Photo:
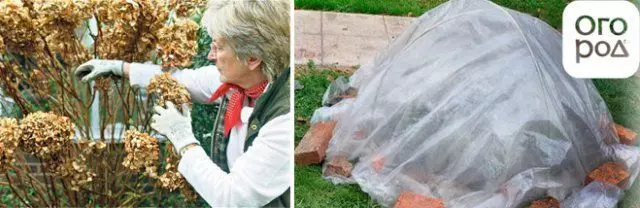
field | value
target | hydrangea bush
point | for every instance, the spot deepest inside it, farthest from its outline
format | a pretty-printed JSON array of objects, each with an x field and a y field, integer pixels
[{"x": 111, "y": 160}]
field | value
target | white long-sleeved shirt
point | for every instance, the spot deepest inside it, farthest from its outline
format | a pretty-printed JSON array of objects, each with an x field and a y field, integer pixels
[{"x": 256, "y": 176}]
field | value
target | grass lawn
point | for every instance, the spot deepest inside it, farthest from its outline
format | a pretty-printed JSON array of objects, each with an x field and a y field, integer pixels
[
  {"x": 621, "y": 96},
  {"x": 548, "y": 10},
  {"x": 311, "y": 190}
]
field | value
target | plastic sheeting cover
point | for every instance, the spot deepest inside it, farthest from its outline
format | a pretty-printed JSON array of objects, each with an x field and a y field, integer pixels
[{"x": 471, "y": 105}]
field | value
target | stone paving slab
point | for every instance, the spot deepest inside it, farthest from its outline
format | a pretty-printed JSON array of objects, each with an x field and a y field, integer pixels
[
  {"x": 345, "y": 24},
  {"x": 308, "y": 22},
  {"x": 351, "y": 50},
  {"x": 308, "y": 48},
  {"x": 343, "y": 39},
  {"x": 396, "y": 25}
]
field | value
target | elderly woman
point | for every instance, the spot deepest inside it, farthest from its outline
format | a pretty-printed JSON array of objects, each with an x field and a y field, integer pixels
[{"x": 251, "y": 151}]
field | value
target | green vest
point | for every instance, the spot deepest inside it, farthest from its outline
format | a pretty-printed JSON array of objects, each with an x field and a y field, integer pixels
[{"x": 273, "y": 103}]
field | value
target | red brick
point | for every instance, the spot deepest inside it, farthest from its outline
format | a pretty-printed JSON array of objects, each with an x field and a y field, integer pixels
[
  {"x": 313, "y": 146},
  {"x": 359, "y": 135},
  {"x": 414, "y": 200},
  {"x": 547, "y": 202},
  {"x": 610, "y": 172},
  {"x": 339, "y": 166},
  {"x": 377, "y": 162},
  {"x": 626, "y": 136}
]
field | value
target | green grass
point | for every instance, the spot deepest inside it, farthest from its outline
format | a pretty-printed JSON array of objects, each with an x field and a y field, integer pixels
[
  {"x": 623, "y": 100},
  {"x": 548, "y": 10},
  {"x": 311, "y": 190},
  {"x": 398, "y": 7}
]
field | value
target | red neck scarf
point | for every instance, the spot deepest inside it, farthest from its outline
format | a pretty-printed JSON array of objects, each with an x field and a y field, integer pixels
[{"x": 232, "y": 116}]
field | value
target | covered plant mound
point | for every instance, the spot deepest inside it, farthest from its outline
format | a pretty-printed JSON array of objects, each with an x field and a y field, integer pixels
[{"x": 471, "y": 105}]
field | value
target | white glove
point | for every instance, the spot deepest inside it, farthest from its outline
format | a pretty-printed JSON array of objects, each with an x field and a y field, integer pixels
[
  {"x": 174, "y": 124},
  {"x": 97, "y": 67}
]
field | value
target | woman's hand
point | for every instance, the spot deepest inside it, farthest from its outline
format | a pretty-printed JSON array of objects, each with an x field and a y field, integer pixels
[
  {"x": 97, "y": 68},
  {"x": 175, "y": 125}
]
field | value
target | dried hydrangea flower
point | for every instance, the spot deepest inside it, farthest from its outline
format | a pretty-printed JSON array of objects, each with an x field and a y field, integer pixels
[
  {"x": 97, "y": 145},
  {"x": 128, "y": 31},
  {"x": 40, "y": 83},
  {"x": 57, "y": 19},
  {"x": 153, "y": 18},
  {"x": 167, "y": 88},
  {"x": 119, "y": 29},
  {"x": 186, "y": 8},
  {"x": 45, "y": 135},
  {"x": 76, "y": 172},
  {"x": 171, "y": 179},
  {"x": 54, "y": 14},
  {"x": 17, "y": 28},
  {"x": 9, "y": 140},
  {"x": 142, "y": 152},
  {"x": 177, "y": 43},
  {"x": 90, "y": 147}
]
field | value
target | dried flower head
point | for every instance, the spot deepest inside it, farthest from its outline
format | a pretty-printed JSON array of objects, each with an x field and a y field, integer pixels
[
  {"x": 62, "y": 14},
  {"x": 142, "y": 151},
  {"x": 186, "y": 8},
  {"x": 9, "y": 140},
  {"x": 130, "y": 27},
  {"x": 177, "y": 43},
  {"x": 97, "y": 145},
  {"x": 171, "y": 179},
  {"x": 118, "y": 33},
  {"x": 167, "y": 88},
  {"x": 76, "y": 171},
  {"x": 17, "y": 28},
  {"x": 57, "y": 19},
  {"x": 153, "y": 18},
  {"x": 90, "y": 147},
  {"x": 45, "y": 134},
  {"x": 40, "y": 83}
]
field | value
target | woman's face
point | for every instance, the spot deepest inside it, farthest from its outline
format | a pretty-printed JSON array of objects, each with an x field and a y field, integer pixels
[{"x": 232, "y": 70}]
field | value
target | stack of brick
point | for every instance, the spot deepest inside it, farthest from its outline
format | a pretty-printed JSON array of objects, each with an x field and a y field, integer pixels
[
  {"x": 547, "y": 202},
  {"x": 339, "y": 166},
  {"x": 610, "y": 172},
  {"x": 377, "y": 163},
  {"x": 313, "y": 146},
  {"x": 626, "y": 136},
  {"x": 414, "y": 200}
]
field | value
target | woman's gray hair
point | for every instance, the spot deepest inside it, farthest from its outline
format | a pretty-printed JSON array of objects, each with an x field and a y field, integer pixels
[{"x": 253, "y": 28}]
